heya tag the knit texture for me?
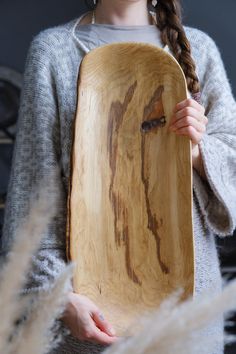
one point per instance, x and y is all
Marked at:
(43, 143)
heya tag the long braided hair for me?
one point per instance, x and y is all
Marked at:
(169, 22)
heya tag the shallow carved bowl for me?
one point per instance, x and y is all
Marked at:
(129, 225)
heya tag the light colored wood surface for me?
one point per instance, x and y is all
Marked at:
(129, 226)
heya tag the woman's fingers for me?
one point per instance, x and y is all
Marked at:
(189, 102)
(94, 334)
(102, 323)
(84, 320)
(98, 336)
(88, 331)
(189, 112)
(188, 121)
(191, 133)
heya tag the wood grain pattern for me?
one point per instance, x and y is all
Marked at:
(129, 226)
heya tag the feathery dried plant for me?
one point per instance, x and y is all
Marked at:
(180, 327)
(173, 327)
(35, 332)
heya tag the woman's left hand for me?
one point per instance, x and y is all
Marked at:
(189, 119)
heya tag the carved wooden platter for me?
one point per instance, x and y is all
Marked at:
(129, 224)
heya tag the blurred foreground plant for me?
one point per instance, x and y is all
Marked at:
(35, 333)
(174, 327)
(180, 327)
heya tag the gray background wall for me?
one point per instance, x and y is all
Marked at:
(21, 19)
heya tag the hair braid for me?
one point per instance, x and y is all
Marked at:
(169, 21)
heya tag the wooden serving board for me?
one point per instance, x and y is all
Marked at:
(129, 226)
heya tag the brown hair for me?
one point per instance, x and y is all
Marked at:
(169, 22)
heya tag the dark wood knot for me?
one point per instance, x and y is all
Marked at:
(148, 125)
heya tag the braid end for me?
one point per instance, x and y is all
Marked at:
(197, 97)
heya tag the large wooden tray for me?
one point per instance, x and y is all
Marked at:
(129, 226)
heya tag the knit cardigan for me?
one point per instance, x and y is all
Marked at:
(43, 143)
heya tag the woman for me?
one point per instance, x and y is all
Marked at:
(44, 142)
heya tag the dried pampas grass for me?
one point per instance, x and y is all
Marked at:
(34, 334)
(172, 328)
(180, 327)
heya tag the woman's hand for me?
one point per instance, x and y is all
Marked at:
(85, 321)
(189, 119)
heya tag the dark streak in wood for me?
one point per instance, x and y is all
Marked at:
(154, 107)
(126, 241)
(116, 115)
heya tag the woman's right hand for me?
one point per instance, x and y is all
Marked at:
(86, 322)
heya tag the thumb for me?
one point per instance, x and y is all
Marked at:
(103, 324)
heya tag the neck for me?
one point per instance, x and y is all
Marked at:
(123, 12)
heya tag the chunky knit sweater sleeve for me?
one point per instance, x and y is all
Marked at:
(36, 154)
(217, 196)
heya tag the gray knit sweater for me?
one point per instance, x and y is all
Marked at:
(43, 142)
